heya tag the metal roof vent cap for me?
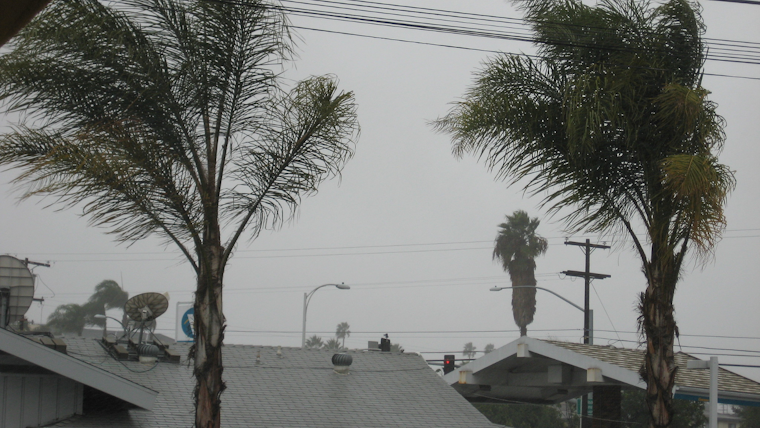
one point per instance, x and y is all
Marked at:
(148, 353)
(342, 363)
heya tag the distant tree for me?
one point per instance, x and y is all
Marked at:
(342, 332)
(314, 342)
(69, 318)
(395, 347)
(489, 348)
(333, 344)
(469, 350)
(516, 246)
(108, 295)
(750, 416)
(686, 414)
(526, 415)
(72, 318)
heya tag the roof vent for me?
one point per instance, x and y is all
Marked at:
(342, 363)
(147, 352)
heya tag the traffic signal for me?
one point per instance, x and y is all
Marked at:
(448, 363)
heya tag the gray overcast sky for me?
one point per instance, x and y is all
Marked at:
(410, 227)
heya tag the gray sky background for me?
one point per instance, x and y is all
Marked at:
(411, 228)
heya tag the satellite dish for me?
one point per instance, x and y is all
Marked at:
(146, 307)
(17, 282)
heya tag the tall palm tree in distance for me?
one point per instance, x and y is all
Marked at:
(516, 246)
(342, 332)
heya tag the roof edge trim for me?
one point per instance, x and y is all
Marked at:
(78, 370)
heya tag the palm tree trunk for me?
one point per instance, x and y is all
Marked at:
(659, 326)
(209, 331)
(523, 300)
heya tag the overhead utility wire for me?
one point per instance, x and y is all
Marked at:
(475, 17)
(453, 282)
(562, 41)
(753, 60)
(415, 26)
(752, 2)
(343, 33)
(459, 17)
(352, 247)
(483, 33)
(243, 3)
(347, 17)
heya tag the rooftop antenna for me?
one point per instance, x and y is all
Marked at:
(145, 308)
(142, 311)
(16, 290)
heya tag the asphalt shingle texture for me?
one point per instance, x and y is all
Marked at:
(298, 389)
(632, 359)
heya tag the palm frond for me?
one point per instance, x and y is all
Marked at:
(312, 133)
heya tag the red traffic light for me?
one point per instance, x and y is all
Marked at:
(448, 363)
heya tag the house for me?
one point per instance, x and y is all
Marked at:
(40, 384)
(547, 372)
(266, 387)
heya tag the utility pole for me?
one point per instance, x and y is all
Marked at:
(587, 332)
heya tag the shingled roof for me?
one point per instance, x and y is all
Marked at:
(632, 359)
(542, 371)
(297, 389)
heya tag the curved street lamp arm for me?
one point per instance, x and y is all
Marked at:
(101, 317)
(307, 299)
(540, 288)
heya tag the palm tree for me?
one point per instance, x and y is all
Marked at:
(516, 246)
(314, 342)
(167, 118)
(469, 350)
(342, 332)
(612, 127)
(395, 347)
(333, 344)
(69, 318)
(108, 295)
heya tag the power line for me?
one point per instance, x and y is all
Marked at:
(359, 247)
(752, 2)
(426, 19)
(392, 39)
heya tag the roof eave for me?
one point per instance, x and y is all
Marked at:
(77, 370)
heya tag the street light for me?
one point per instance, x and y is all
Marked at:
(105, 323)
(591, 313)
(307, 299)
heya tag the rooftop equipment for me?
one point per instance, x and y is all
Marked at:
(16, 289)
